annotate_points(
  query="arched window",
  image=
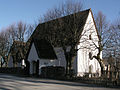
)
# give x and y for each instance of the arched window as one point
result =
(90, 37)
(90, 55)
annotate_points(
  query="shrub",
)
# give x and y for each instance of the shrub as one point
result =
(52, 72)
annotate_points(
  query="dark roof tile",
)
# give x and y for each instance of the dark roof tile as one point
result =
(52, 27)
(44, 49)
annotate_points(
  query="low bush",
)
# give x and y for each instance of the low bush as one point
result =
(52, 72)
(13, 70)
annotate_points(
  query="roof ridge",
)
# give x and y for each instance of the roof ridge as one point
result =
(87, 10)
(66, 15)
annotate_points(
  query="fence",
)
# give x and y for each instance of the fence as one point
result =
(109, 78)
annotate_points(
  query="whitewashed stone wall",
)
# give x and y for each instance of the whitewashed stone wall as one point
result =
(87, 46)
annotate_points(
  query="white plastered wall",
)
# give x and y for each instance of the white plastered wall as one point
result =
(10, 62)
(85, 47)
(33, 56)
(61, 61)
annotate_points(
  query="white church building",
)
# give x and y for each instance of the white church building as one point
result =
(42, 53)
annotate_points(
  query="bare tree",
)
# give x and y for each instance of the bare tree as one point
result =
(11, 30)
(15, 32)
(4, 47)
(114, 44)
(29, 31)
(104, 33)
(21, 29)
(64, 9)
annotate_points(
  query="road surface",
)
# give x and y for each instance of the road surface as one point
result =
(9, 82)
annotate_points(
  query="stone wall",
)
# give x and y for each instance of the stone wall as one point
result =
(13, 70)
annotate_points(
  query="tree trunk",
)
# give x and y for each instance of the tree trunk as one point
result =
(66, 58)
(67, 67)
(102, 67)
(1, 63)
(102, 70)
(69, 58)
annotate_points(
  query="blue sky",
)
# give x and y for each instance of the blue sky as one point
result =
(29, 11)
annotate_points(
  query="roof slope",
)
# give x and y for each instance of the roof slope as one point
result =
(18, 50)
(44, 49)
(61, 28)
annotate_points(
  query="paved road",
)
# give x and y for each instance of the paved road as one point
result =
(8, 82)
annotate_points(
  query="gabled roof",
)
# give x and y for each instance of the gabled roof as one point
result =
(44, 49)
(17, 46)
(53, 27)
(18, 50)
